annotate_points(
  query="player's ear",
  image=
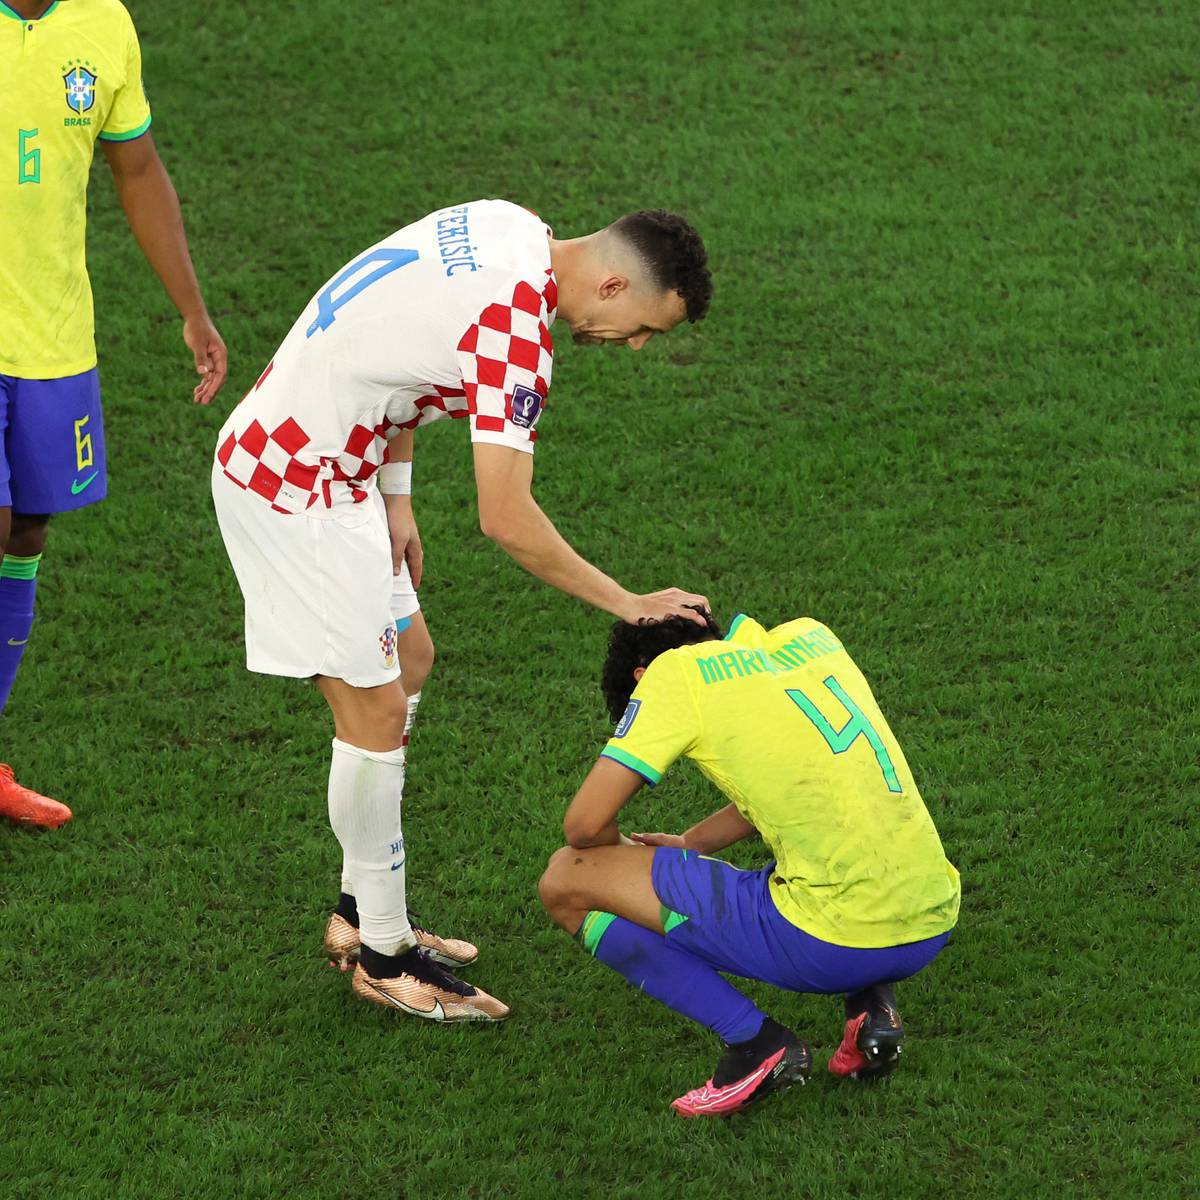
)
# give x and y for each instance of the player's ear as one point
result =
(638, 672)
(612, 286)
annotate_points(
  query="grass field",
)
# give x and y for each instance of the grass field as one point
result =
(946, 400)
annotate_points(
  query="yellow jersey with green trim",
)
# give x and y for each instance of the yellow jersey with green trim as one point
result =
(66, 79)
(785, 725)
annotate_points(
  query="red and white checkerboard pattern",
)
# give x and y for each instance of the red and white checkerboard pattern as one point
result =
(452, 402)
(508, 345)
(271, 463)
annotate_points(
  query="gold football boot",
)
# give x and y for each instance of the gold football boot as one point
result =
(342, 942)
(425, 989)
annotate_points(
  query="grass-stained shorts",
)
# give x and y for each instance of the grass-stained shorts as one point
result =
(727, 918)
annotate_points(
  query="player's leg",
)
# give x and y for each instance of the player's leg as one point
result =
(53, 462)
(414, 645)
(316, 593)
(414, 648)
(24, 541)
(20, 554)
(873, 1038)
(368, 721)
(608, 898)
(366, 784)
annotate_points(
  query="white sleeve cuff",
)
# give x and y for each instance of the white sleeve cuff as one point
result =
(514, 441)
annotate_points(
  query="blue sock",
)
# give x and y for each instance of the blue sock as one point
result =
(18, 585)
(681, 982)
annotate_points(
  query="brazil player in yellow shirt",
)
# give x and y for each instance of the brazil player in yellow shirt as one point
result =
(859, 893)
(70, 76)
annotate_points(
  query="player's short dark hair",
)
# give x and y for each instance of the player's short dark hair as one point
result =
(672, 253)
(631, 646)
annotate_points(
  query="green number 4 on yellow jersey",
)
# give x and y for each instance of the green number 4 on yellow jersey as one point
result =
(856, 726)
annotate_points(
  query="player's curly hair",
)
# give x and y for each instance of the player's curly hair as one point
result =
(673, 254)
(631, 646)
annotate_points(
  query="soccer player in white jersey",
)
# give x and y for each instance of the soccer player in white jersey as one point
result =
(447, 317)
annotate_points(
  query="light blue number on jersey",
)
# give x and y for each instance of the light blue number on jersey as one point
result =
(840, 740)
(328, 303)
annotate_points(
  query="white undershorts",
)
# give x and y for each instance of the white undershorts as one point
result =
(404, 596)
(320, 596)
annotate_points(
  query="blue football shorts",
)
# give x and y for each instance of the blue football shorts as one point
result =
(727, 918)
(51, 443)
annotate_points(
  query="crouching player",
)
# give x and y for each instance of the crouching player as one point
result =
(859, 894)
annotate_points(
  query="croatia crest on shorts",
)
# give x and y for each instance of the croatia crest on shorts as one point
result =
(81, 88)
(387, 643)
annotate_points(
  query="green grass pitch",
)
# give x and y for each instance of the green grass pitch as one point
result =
(945, 400)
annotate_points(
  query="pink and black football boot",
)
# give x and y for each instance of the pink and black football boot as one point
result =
(771, 1061)
(873, 1039)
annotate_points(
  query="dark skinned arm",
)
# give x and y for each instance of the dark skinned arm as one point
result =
(152, 209)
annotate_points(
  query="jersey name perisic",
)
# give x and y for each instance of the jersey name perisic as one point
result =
(785, 725)
(67, 79)
(447, 317)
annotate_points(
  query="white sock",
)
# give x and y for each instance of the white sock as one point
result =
(413, 701)
(365, 792)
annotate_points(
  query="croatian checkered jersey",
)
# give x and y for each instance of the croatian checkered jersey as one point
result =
(447, 317)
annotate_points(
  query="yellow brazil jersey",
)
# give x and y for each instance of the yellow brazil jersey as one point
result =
(66, 79)
(784, 723)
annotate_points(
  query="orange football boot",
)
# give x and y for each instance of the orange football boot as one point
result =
(26, 807)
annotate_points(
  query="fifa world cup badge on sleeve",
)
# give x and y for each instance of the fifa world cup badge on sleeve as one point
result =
(526, 406)
(626, 722)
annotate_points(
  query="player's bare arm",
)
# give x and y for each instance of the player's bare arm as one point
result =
(152, 208)
(716, 832)
(509, 515)
(591, 819)
(395, 482)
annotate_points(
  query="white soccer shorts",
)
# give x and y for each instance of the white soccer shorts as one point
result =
(317, 591)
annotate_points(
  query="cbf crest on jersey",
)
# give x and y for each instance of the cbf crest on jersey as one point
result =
(81, 87)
